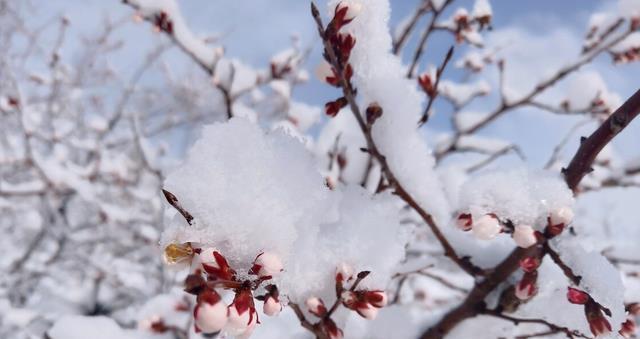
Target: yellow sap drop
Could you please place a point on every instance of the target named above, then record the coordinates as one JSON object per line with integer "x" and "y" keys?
{"x": 175, "y": 253}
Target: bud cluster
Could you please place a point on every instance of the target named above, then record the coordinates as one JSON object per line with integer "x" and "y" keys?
{"x": 594, "y": 312}
{"x": 527, "y": 287}
{"x": 341, "y": 45}
{"x": 364, "y": 302}
{"x": 210, "y": 271}
{"x": 488, "y": 226}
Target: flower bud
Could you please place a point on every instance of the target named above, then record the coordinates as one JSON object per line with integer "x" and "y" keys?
{"x": 628, "y": 328}
{"x": 598, "y": 324}
{"x": 267, "y": 265}
{"x": 367, "y": 311}
{"x": 464, "y": 221}
{"x": 376, "y": 298}
{"x": 561, "y": 216}
{"x": 529, "y": 264}
{"x": 344, "y": 273}
{"x": 524, "y": 236}
{"x": 242, "y": 315}
{"x": 426, "y": 82}
{"x": 527, "y": 288}
{"x": 325, "y": 72}
{"x": 633, "y": 309}
{"x": 272, "y": 306}
{"x": 576, "y": 296}
{"x": 316, "y": 306}
{"x": 332, "y": 108}
{"x": 486, "y": 227}
{"x": 215, "y": 264}
{"x": 346, "y": 11}
{"x": 210, "y": 314}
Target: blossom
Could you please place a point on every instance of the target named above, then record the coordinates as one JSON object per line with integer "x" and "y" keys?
{"x": 486, "y": 227}
{"x": 272, "y": 306}
{"x": 527, "y": 287}
{"x": 464, "y": 221}
{"x": 576, "y": 296}
{"x": 529, "y": 264}
{"x": 210, "y": 314}
{"x": 316, "y": 306}
{"x": 215, "y": 264}
{"x": 242, "y": 314}
{"x": 524, "y": 236}
{"x": 344, "y": 272}
{"x": 267, "y": 265}
{"x": 598, "y": 324}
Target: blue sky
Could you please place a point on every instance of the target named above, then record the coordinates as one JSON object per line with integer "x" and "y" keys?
{"x": 253, "y": 30}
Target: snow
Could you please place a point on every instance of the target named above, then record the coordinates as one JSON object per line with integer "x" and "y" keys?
{"x": 81, "y": 327}
{"x": 587, "y": 86}
{"x": 552, "y": 290}
{"x": 520, "y": 195}
{"x": 343, "y": 129}
{"x": 304, "y": 116}
{"x": 599, "y": 277}
{"x": 466, "y": 120}
{"x": 205, "y": 54}
{"x": 379, "y": 77}
{"x": 482, "y": 8}
{"x": 482, "y": 144}
{"x": 234, "y": 165}
{"x": 629, "y": 8}
{"x": 462, "y": 93}
{"x": 237, "y": 165}
{"x": 629, "y": 43}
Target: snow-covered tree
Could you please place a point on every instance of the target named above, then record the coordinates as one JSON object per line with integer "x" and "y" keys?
{"x": 369, "y": 224}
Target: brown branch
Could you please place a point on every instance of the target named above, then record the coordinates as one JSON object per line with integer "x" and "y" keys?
{"x": 304, "y": 322}
{"x": 566, "y": 270}
{"x": 372, "y": 149}
{"x": 507, "y": 106}
{"x": 425, "y": 36}
{"x": 173, "y": 201}
{"x": 556, "y": 328}
{"x": 584, "y": 158}
{"x": 591, "y": 146}
{"x": 425, "y": 115}
{"x": 422, "y": 9}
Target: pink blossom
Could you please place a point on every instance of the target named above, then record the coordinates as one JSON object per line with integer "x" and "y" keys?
{"x": 210, "y": 314}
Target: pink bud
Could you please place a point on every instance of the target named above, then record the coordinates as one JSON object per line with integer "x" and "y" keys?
{"x": 215, "y": 264}
{"x": 527, "y": 288}
{"x": 348, "y": 298}
{"x": 367, "y": 311}
{"x": 524, "y": 236}
{"x": 352, "y": 9}
{"x": 529, "y": 264}
{"x": 561, "y": 216}
{"x": 242, "y": 315}
{"x": 598, "y": 324}
{"x": 344, "y": 272}
{"x": 267, "y": 265}
{"x": 464, "y": 222}
{"x": 272, "y": 306}
{"x": 628, "y": 328}
{"x": 316, "y": 306}
{"x": 376, "y": 298}
{"x": 210, "y": 314}
{"x": 576, "y": 296}
{"x": 325, "y": 72}
{"x": 486, "y": 227}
